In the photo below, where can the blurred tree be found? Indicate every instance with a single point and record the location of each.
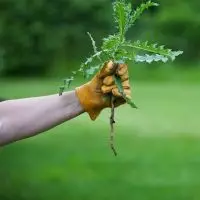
(36, 33)
(177, 24)
(33, 33)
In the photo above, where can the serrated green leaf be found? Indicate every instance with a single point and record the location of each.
(120, 16)
(121, 54)
(138, 12)
(174, 54)
(93, 43)
(91, 71)
(111, 43)
(150, 58)
(153, 48)
(68, 81)
(122, 13)
(118, 83)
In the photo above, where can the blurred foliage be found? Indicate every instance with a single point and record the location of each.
(177, 23)
(37, 35)
(33, 33)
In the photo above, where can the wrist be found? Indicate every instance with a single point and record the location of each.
(90, 100)
(70, 103)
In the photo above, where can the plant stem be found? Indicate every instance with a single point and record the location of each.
(112, 121)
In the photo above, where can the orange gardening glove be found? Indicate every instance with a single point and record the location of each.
(96, 94)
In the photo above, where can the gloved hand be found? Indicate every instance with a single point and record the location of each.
(96, 94)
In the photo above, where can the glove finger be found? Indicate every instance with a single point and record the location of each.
(126, 84)
(116, 92)
(125, 76)
(107, 89)
(122, 69)
(109, 80)
(107, 69)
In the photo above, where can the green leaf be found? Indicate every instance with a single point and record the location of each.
(68, 81)
(119, 15)
(93, 43)
(130, 102)
(121, 54)
(122, 13)
(118, 83)
(150, 58)
(125, 17)
(89, 61)
(111, 43)
(61, 90)
(160, 52)
(92, 70)
(138, 12)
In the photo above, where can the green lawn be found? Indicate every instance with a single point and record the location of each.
(158, 146)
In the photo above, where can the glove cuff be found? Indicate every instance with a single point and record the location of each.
(84, 95)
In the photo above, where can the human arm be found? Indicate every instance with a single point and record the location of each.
(22, 118)
(27, 117)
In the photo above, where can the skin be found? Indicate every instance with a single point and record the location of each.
(28, 117)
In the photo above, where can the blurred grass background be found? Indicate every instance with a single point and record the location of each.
(158, 144)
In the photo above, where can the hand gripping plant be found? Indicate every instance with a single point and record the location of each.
(117, 48)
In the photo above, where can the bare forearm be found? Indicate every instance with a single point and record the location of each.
(24, 118)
